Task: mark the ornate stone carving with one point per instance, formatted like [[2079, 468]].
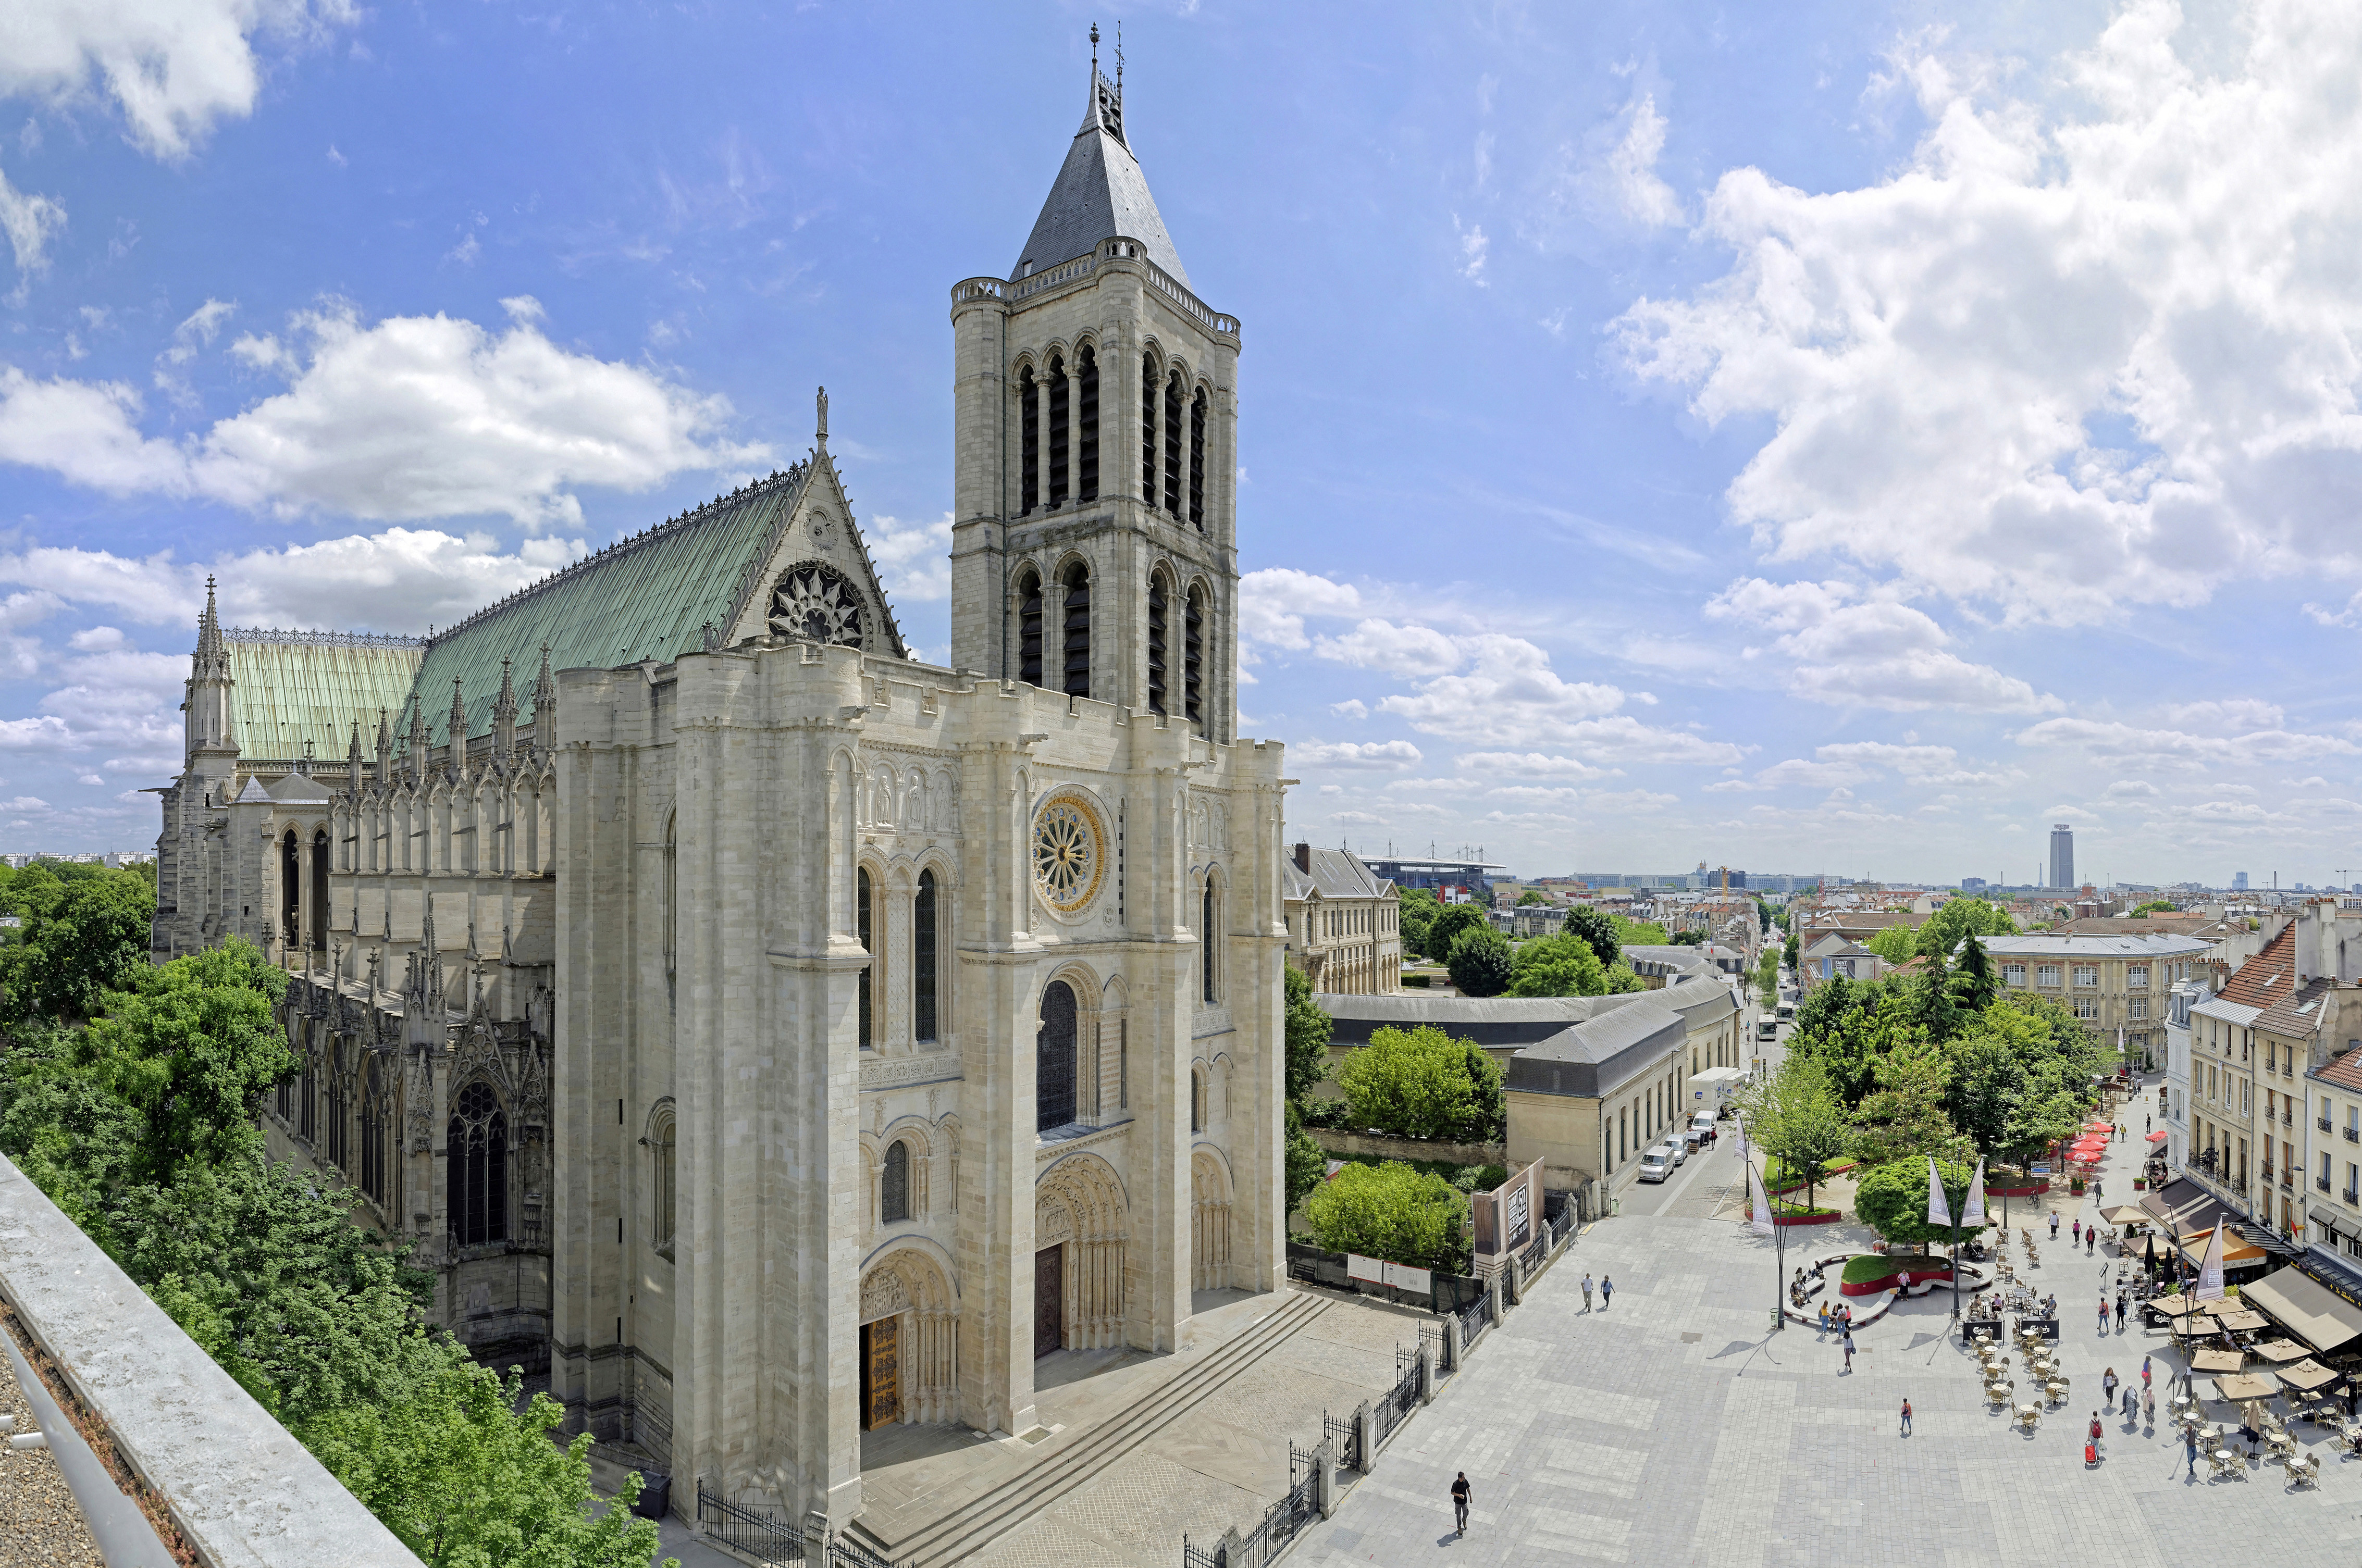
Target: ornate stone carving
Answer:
[[1070, 851], [816, 603], [882, 1296], [928, 1067]]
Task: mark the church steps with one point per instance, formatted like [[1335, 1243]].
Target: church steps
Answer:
[[971, 1526]]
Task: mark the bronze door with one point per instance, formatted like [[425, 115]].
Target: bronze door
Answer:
[[881, 1373], [1049, 1300]]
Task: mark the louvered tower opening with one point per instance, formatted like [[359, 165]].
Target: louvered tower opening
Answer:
[[1029, 631], [1029, 470], [1058, 435], [1159, 613], [1086, 426], [1077, 629]]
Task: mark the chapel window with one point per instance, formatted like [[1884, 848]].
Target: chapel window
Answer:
[[1206, 944], [320, 892], [1078, 632], [671, 907], [1173, 401], [290, 885], [1029, 444], [1029, 630], [922, 959], [894, 1191], [1054, 1059], [1193, 658], [664, 1150], [1197, 1100], [307, 1126], [1197, 461], [372, 1134], [1159, 613], [1059, 441], [1086, 426], [478, 1146], [861, 921]]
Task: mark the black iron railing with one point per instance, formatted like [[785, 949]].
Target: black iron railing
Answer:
[[755, 1531]]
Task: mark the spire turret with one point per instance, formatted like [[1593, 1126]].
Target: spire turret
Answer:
[[545, 705], [206, 723], [504, 712], [1100, 192]]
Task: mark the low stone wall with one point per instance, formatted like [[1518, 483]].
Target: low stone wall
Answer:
[[1378, 1146]]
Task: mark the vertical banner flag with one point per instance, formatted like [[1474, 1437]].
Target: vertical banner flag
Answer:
[[2210, 1268], [1763, 1201], [1974, 1213], [1938, 1211]]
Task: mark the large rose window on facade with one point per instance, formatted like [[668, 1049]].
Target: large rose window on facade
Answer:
[[1069, 853], [814, 602]]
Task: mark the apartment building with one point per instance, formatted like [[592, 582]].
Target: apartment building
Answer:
[[1344, 925], [2116, 985]]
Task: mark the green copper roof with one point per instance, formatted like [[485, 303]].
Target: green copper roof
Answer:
[[648, 597], [294, 687]]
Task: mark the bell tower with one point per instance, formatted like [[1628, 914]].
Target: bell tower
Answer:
[[1093, 546]]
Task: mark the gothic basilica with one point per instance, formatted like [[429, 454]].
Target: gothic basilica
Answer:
[[773, 1034]]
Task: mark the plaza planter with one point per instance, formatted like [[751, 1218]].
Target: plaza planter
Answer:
[[2034, 1191], [1813, 1217], [1921, 1270]]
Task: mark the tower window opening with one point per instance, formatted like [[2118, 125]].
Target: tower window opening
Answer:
[[1173, 401], [1206, 942], [476, 1143], [894, 1194], [1029, 630], [1159, 613], [1053, 1060], [291, 886], [1058, 434], [1197, 461], [1086, 426], [922, 959], [1028, 420], [861, 897], [1148, 428], [1193, 658], [320, 892], [1077, 629]]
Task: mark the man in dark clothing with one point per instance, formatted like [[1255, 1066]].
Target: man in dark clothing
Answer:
[[1459, 1501]]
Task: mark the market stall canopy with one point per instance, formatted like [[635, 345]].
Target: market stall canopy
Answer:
[[2243, 1323], [2126, 1214], [2279, 1350], [2237, 1250], [2217, 1361], [2306, 1307], [2308, 1375], [2249, 1387]]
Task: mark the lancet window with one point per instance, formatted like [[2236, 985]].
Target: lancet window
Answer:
[[1148, 428], [1077, 639], [1160, 612], [663, 1149], [1197, 461], [1193, 658], [319, 922], [478, 1146], [894, 1191], [1173, 397], [922, 961], [1086, 426], [1207, 944], [1059, 435], [1029, 630], [291, 886], [1029, 444], [863, 898], [1054, 1059], [373, 1131]]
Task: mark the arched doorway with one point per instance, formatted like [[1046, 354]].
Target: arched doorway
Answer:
[[910, 1341], [1078, 1267], [1209, 1223]]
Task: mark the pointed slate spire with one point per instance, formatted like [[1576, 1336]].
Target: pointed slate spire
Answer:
[[353, 761], [1100, 192], [457, 725], [212, 651], [384, 751], [418, 741]]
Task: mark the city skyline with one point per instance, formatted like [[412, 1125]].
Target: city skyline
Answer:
[[1555, 534]]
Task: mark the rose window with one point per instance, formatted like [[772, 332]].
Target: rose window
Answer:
[[817, 604], [1068, 859]]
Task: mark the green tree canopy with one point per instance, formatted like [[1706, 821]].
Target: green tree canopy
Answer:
[[1767, 976], [1846, 1024], [1415, 909], [1962, 917], [1689, 939], [1892, 1201], [2154, 906], [1307, 1031], [1896, 944], [1307, 1160], [1567, 965], [1445, 928], [84, 934], [1596, 928], [1480, 964], [1791, 951], [1532, 895], [1393, 1211], [1637, 934], [1795, 1116], [1422, 1083], [1903, 1115]]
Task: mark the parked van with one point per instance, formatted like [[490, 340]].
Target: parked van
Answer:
[[1656, 1165]]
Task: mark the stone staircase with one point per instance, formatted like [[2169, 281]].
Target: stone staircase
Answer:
[[1067, 1460]]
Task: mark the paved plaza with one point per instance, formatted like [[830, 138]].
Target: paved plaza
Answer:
[[1668, 1430]]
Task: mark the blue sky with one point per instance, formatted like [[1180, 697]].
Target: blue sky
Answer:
[[1830, 437]]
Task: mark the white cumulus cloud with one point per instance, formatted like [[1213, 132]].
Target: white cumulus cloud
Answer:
[[1385, 754]]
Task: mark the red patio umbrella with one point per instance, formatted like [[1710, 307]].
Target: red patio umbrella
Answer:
[[2158, 1138]]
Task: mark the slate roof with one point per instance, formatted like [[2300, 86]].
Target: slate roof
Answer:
[[1335, 873], [1594, 1057], [1100, 193], [298, 687], [1506, 1023], [2134, 926], [2345, 1071], [2299, 1011], [2050, 945]]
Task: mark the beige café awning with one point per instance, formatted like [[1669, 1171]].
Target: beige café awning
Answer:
[[2217, 1361], [2306, 1308], [2308, 1375], [2251, 1387], [2242, 1323], [2279, 1350]]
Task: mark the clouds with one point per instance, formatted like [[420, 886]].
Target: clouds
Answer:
[[913, 558], [1878, 654], [1631, 169], [407, 419], [2059, 363], [1391, 755], [173, 70], [2110, 740], [30, 222]]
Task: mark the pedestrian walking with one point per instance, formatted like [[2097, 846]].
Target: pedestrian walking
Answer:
[[1906, 1418], [2148, 1407], [1606, 1292], [1848, 1350], [2108, 1386], [2054, 1224], [2129, 1404], [2103, 1315], [2074, 1232], [2144, 1373], [2190, 1447], [2090, 1237], [1459, 1501], [1587, 1292], [2148, 1124]]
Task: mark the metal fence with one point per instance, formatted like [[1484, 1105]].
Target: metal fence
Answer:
[[1348, 1433], [1534, 1255], [1476, 1321], [1433, 1340], [1394, 1408], [1280, 1524], [750, 1531]]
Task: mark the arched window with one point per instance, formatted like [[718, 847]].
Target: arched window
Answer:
[[1058, 436], [1197, 461], [1159, 613], [1078, 632], [663, 1150], [307, 1123], [340, 1108], [1086, 426], [894, 1192], [1028, 425], [1197, 1100], [922, 959], [290, 885], [861, 922], [1174, 398], [478, 1152], [1148, 428], [320, 891], [1206, 939], [372, 1135], [1053, 1060], [1193, 658], [1029, 628]]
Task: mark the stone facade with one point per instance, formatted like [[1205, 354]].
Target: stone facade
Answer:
[[809, 1037], [1345, 921]]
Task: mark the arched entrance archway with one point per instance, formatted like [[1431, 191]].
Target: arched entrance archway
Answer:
[[910, 1341], [1209, 1223], [1079, 1229]]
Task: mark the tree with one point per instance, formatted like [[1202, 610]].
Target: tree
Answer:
[[1767, 977], [1445, 928], [1415, 909], [1762, 918], [1963, 918], [1903, 1116], [1792, 952], [1892, 1201], [1480, 964], [2154, 906], [1896, 944], [1689, 938], [1797, 1117], [1988, 1084], [1307, 1030], [1596, 927], [1422, 1083], [1557, 966], [1845, 1024], [1634, 934], [1393, 1211], [1973, 982], [1308, 1162], [84, 935], [1532, 895], [465, 1480]]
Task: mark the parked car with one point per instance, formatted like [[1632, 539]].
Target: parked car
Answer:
[[1702, 1129], [1674, 1147], [1656, 1165]]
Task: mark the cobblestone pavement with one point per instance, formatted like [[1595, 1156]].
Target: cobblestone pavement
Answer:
[[1224, 1461], [1668, 1430]]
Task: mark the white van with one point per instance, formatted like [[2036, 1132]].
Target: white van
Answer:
[[1657, 1164]]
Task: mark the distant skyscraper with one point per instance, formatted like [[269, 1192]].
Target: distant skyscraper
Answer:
[[2238, 882], [2062, 854]]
